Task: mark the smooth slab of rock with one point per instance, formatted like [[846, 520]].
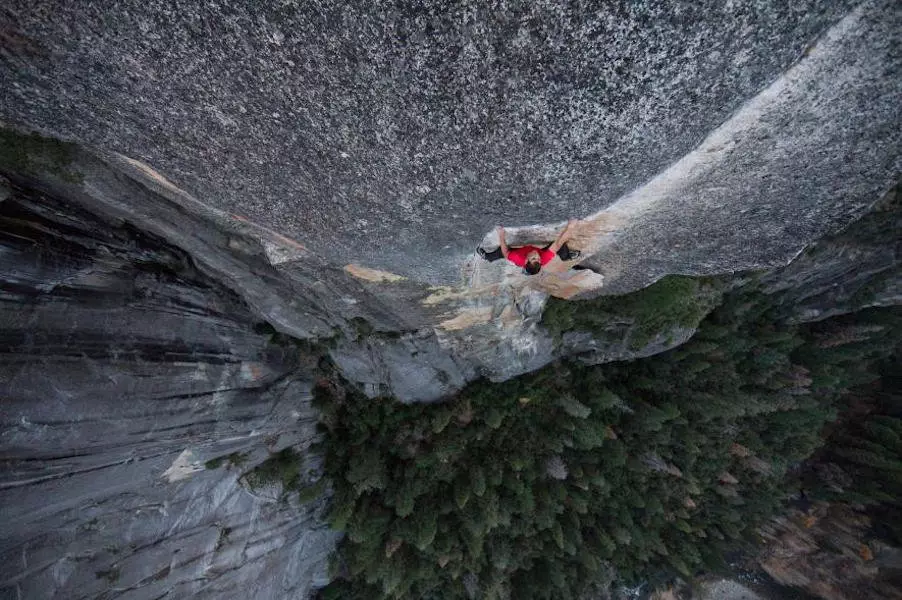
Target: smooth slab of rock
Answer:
[[396, 137]]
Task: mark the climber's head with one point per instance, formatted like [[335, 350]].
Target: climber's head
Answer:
[[533, 263]]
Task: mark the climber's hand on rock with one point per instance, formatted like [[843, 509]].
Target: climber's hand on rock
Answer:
[[502, 242]]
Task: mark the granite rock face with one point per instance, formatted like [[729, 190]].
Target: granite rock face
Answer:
[[802, 159], [396, 136], [124, 371], [857, 268], [860, 267]]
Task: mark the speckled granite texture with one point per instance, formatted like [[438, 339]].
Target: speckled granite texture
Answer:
[[397, 135]]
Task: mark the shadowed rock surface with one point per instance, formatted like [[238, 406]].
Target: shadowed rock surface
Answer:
[[124, 370]]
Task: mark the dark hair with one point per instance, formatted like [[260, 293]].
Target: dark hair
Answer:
[[532, 267]]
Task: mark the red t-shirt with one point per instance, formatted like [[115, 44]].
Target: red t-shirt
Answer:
[[518, 255]]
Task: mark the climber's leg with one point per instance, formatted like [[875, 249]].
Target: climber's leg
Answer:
[[566, 253], [492, 256]]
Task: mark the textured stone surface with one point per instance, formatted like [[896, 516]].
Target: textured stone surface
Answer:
[[725, 589], [123, 370], [803, 158], [413, 368], [395, 136], [387, 334], [857, 268], [616, 344]]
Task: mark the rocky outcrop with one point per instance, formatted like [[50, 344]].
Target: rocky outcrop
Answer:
[[710, 589], [282, 283], [396, 137], [136, 392], [828, 551], [858, 268], [149, 373], [388, 334]]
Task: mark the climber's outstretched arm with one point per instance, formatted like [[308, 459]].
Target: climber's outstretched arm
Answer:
[[502, 241], [565, 235]]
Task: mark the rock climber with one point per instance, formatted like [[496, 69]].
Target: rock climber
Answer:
[[533, 258]]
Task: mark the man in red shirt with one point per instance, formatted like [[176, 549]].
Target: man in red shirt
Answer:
[[533, 258]]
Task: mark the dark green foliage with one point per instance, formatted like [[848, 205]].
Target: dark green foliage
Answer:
[[283, 467], [674, 301], [28, 154], [552, 484], [312, 492], [864, 454], [235, 459], [111, 575], [361, 327], [311, 347]]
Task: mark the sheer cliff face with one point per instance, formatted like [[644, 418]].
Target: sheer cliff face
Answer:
[[124, 372], [396, 137], [144, 383], [145, 366]]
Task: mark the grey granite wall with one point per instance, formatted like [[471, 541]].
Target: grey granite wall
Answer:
[[396, 135], [804, 158], [124, 371]]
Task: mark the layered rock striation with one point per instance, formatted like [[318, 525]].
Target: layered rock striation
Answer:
[[126, 375]]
